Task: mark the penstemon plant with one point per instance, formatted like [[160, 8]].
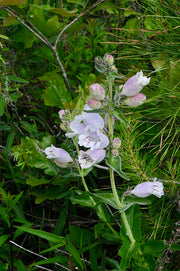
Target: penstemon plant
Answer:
[[92, 132]]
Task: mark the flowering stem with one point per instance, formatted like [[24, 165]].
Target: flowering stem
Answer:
[[113, 185], [92, 200]]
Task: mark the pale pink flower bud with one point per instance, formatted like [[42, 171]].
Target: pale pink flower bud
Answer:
[[116, 143], [65, 126], [136, 100], [109, 59], [115, 152], [97, 92], [146, 189], [95, 104], [135, 84], [61, 114]]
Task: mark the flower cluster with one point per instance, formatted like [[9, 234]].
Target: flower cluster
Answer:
[[88, 127]]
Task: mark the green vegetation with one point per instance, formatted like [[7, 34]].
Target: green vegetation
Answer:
[[47, 63]]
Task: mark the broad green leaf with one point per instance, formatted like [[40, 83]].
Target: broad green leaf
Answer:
[[13, 2], [60, 11], [75, 254], [3, 239], [116, 165], [9, 142], [175, 247], [56, 93], [83, 198], [2, 105], [126, 253], [17, 79], [153, 247], [34, 181], [51, 237], [107, 198], [119, 115]]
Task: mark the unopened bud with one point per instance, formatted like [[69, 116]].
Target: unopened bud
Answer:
[[113, 69], [61, 114], [115, 152], [95, 104], [116, 143], [65, 126], [136, 100], [97, 92], [108, 59]]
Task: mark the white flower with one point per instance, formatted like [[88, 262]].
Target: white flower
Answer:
[[146, 189], [58, 154], [93, 139], [135, 84], [90, 157]]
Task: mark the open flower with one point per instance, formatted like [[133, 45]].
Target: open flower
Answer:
[[92, 138], [135, 84], [80, 122], [90, 157], [59, 155], [146, 189]]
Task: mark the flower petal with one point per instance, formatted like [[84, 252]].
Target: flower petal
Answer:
[[58, 154]]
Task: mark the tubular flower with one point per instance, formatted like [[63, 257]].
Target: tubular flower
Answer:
[[93, 139], [146, 189], [136, 100], [135, 84], [59, 155], [90, 157]]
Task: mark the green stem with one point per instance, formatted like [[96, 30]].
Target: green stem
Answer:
[[113, 185], [92, 200]]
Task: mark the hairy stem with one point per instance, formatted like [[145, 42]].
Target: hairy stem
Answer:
[[113, 185]]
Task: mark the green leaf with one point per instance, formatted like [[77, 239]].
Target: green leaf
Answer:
[[128, 248], [60, 11], [9, 141], [34, 181], [4, 215], [2, 105], [116, 165], [32, 129], [83, 198], [61, 219], [51, 237], [56, 93], [175, 247], [3, 267], [107, 198], [17, 79], [75, 254], [80, 2], [12, 2], [3, 239], [119, 115], [153, 247]]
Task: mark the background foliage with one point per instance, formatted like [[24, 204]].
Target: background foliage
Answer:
[[42, 206]]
